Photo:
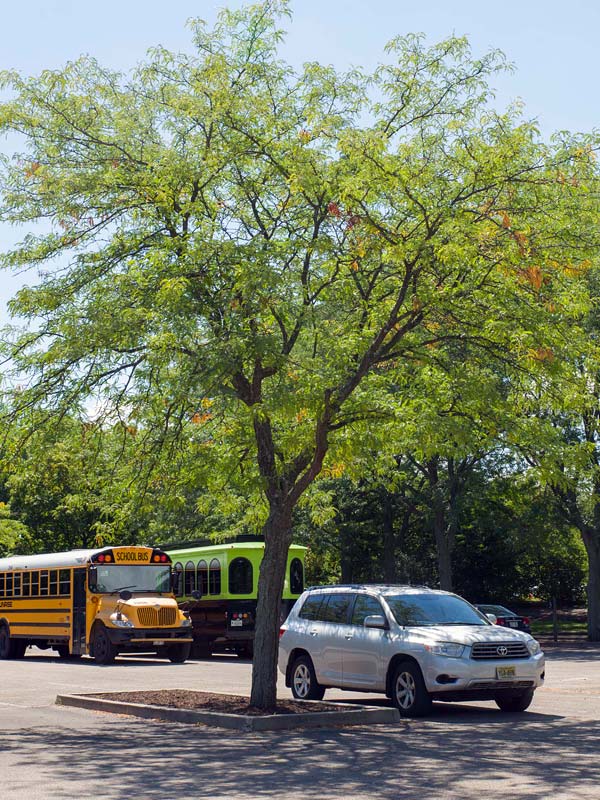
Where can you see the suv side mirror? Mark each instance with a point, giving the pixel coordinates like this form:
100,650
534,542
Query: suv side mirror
492,618
375,621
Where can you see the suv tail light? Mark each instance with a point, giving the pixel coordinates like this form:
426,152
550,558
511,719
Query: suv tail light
500,621
282,630
526,620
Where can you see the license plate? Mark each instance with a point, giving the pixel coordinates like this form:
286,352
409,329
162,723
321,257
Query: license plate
236,623
158,644
513,623
505,672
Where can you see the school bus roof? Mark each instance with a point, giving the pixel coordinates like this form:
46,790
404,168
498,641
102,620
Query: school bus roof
71,558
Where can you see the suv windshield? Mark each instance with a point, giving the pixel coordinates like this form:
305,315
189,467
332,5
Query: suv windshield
433,609
151,578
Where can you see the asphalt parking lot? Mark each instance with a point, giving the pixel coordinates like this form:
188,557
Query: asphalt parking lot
458,753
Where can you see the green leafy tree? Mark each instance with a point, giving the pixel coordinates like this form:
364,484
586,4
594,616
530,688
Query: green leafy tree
15,537
246,257
58,481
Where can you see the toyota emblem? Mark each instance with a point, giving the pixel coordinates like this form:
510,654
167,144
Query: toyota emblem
502,650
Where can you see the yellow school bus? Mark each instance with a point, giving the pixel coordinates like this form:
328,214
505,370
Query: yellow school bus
96,602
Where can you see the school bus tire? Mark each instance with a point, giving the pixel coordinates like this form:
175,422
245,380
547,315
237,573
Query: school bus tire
10,648
63,652
104,651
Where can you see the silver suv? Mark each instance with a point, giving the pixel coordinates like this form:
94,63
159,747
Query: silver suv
413,643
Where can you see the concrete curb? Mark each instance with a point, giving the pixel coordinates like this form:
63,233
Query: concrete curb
347,715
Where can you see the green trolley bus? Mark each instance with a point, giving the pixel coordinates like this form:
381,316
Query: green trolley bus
226,575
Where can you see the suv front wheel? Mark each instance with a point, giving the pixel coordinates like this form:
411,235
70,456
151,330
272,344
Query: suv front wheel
409,694
304,681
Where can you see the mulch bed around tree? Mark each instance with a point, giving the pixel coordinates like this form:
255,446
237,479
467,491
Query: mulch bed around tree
209,701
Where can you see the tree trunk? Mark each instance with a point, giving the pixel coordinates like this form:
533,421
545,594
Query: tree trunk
444,552
278,537
389,540
440,533
346,565
591,539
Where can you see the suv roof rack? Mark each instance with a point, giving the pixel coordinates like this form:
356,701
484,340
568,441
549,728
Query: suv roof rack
366,586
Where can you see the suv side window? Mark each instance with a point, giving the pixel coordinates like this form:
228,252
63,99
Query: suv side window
336,609
365,606
310,608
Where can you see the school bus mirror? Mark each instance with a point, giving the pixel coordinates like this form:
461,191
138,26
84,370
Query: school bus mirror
197,595
125,595
176,581
93,578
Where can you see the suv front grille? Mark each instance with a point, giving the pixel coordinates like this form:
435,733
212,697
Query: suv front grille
498,650
156,617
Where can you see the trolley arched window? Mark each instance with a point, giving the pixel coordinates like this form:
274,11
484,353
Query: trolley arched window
203,577
240,576
189,579
296,576
214,576
179,579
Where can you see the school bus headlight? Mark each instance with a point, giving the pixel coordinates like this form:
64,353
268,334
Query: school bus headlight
186,622
120,620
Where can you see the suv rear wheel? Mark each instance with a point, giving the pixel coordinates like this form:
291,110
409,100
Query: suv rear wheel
304,681
514,701
409,694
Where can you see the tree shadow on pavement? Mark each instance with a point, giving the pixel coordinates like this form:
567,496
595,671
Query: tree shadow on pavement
458,753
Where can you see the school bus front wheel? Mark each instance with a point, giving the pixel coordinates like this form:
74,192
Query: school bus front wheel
103,650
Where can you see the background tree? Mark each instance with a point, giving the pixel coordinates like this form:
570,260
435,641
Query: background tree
249,256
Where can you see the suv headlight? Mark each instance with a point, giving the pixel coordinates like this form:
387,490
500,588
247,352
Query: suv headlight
448,649
534,647
120,620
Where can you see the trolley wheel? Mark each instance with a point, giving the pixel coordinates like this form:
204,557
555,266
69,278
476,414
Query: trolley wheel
245,651
104,650
178,653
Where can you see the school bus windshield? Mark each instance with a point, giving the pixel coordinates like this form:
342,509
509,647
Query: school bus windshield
150,578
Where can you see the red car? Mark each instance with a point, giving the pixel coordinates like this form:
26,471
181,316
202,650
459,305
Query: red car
506,617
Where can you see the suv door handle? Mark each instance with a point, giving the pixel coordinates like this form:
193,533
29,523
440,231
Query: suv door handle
349,636
314,632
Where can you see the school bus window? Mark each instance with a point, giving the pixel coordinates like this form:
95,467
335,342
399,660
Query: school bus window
214,576
64,582
240,576
35,583
26,584
179,579
1,584
17,584
44,583
9,585
189,578
203,577
53,582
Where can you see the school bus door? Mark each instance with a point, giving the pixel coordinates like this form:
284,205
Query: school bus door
79,576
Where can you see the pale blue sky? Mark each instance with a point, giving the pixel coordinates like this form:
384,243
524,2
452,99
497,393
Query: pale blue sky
553,44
